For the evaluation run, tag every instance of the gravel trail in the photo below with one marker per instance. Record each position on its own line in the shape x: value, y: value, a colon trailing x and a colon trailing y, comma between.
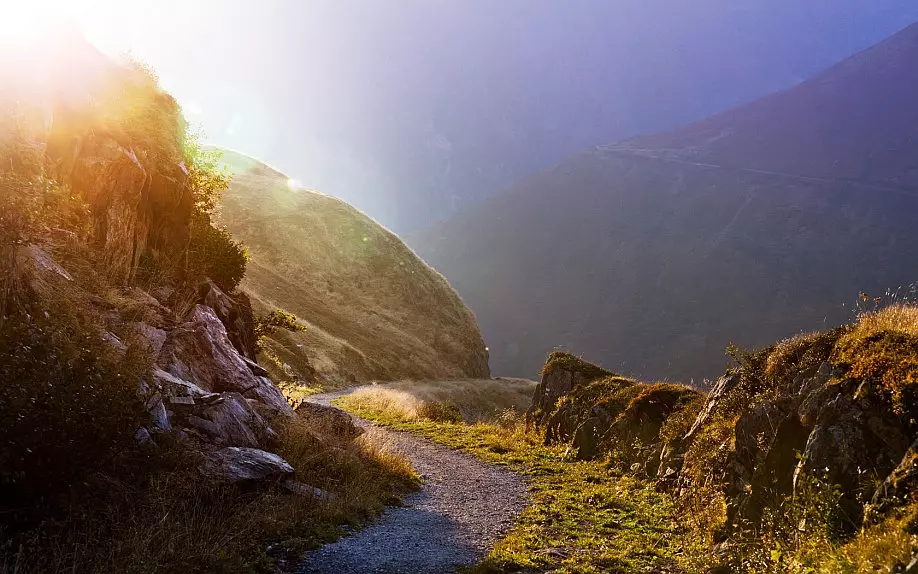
x: 461, y: 510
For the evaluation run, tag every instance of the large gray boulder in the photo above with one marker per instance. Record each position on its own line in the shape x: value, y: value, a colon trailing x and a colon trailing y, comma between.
x: 200, y: 351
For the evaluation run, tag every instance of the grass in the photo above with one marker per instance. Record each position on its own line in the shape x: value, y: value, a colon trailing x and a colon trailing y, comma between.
x: 472, y: 400
x: 375, y: 311
x: 883, y: 346
x: 584, y: 516
x: 174, y: 521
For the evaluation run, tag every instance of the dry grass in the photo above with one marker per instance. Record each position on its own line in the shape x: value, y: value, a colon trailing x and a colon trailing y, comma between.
x: 474, y: 400
x: 883, y: 346
x: 175, y: 522
x: 900, y: 318
x: 375, y: 311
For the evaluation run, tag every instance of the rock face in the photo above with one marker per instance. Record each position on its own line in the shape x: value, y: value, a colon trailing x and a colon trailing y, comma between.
x: 763, y: 434
x: 139, y: 197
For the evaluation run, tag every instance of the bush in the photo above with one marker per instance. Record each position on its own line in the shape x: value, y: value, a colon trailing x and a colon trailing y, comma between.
x: 213, y: 254
x: 68, y: 407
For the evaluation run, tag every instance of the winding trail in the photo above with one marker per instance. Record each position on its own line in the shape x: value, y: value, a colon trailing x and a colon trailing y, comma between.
x: 458, y: 514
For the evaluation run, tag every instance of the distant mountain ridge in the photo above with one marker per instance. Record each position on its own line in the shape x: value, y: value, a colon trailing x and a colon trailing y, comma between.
x: 651, y: 255
x: 863, y: 108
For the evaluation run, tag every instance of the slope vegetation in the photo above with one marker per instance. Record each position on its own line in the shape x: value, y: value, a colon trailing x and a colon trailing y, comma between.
x: 374, y: 309
x: 652, y: 255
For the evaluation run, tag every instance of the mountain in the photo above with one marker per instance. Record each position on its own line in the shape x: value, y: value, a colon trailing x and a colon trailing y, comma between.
x: 374, y: 310
x: 651, y: 255
x: 411, y: 122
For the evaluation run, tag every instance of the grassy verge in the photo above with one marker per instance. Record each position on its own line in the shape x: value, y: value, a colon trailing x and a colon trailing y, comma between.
x: 583, y: 516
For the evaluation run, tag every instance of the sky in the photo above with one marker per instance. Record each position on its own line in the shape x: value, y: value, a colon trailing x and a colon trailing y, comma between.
x: 414, y: 109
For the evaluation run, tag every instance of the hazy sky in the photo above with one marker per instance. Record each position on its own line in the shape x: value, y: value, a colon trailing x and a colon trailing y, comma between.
x: 409, y: 109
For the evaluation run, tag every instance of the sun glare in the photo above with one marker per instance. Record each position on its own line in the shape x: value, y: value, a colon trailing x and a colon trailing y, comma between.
x: 25, y: 23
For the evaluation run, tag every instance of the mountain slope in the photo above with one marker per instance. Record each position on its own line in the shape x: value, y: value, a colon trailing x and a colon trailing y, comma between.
x: 652, y: 255
x: 374, y: 309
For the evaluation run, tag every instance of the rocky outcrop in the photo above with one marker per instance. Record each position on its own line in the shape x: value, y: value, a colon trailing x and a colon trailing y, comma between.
x: 236, y: 315
x: 763, y: 434
x: 199, y: 350
x: 598, y: 412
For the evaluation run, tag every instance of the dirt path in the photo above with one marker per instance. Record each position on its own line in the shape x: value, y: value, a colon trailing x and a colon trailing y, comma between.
x: 459, y: 513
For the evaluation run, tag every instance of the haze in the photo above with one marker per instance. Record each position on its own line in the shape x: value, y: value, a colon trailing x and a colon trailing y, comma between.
x: 413, y: 110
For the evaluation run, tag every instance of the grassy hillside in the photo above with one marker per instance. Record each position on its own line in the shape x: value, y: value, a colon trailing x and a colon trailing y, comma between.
x: 651, y: 260
x: 374, y: 310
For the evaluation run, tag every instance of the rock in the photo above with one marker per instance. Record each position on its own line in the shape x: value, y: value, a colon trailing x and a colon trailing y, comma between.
x: 587, y: 438
x: 159, y: 417
x: 896, y: 490
x: 152, y: 337
x: 240, y: 465
x: 174, y: 386
x: 200, y: 351
x: 142, y: 436
x: 307, y: 490
x: 114, y: 184
x: 767, y: 441
x: 230, y: 422
x: 35, y: 258
x: 724, y: 385
x: 237, y: 317
x: 256, y: 369
x: 562, y: 374
x: 335, y: 420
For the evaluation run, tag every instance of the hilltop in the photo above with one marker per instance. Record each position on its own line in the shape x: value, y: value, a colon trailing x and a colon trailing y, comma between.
x: 653, y: 254
x: 374, y: 309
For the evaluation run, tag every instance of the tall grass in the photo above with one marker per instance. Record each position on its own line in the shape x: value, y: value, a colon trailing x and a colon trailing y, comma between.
x: 473, y: 400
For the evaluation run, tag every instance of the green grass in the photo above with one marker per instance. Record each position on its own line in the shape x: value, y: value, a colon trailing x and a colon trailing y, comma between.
x: 583, y: 516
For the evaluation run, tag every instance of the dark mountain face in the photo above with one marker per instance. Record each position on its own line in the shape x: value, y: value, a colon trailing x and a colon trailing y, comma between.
x: 652, y: 255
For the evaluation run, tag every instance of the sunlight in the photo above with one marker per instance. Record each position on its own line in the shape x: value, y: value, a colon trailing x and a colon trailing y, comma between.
x: 29, y: 23
x: 24, y: 24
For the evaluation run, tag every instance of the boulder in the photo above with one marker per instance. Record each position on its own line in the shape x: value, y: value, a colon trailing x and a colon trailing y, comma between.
x: 200, y: 351
x: 244, y: 465
x: 229, y: 420
x: 562, y: 374
x: 335, y: 420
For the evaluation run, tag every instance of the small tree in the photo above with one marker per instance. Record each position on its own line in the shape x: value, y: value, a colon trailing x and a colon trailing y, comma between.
x: 277, y: 319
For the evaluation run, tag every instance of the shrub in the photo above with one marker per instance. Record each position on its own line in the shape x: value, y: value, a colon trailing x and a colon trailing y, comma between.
x: 440, y: 412
x: 213, y: 254
x: 68, y: 405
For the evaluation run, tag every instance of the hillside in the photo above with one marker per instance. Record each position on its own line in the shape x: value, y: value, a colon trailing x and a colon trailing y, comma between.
x: 374, y: 309
x: 652, y: 255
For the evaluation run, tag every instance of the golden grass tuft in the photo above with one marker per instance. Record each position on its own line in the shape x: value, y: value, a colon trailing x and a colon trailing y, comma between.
x: 883, y: 346
x: 473, y: 400
x: 900, y: 318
